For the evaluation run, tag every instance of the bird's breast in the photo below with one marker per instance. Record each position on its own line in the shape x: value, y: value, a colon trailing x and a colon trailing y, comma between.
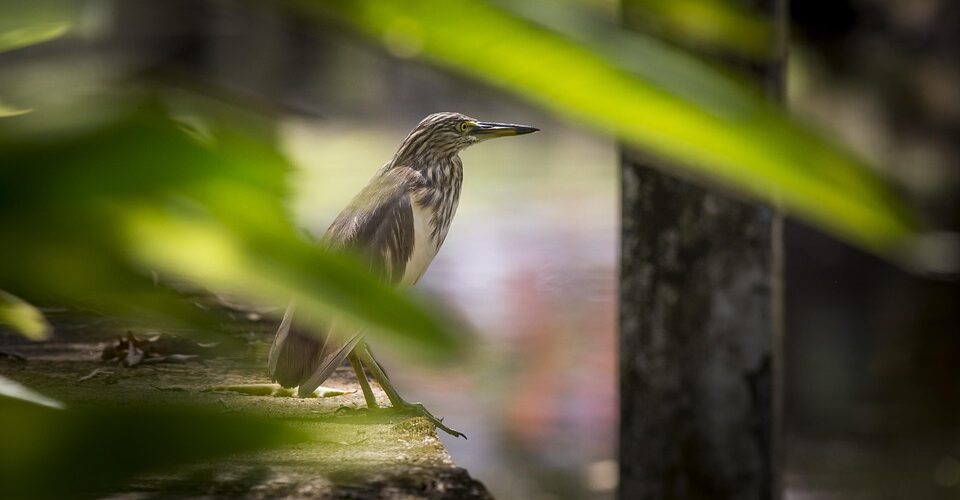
x: 426, y: 242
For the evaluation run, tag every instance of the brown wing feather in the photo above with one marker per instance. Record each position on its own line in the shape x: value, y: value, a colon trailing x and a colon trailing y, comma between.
x: 378, y: 223
x: 378, y: 226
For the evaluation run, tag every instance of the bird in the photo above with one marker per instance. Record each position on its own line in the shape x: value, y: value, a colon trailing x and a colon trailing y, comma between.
x: 395, y: 225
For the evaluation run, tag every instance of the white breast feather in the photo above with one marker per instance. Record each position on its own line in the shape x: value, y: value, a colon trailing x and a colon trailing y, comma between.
x: 424, y: 249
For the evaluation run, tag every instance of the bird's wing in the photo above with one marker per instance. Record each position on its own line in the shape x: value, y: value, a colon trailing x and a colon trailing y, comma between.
x: 378, y: 223
x: 378, y: 226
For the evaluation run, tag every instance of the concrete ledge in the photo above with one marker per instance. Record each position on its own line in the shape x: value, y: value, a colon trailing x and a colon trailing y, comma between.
x: 355, y: 454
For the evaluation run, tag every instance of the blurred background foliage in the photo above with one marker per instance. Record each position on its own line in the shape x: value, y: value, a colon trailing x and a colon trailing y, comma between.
x: 143, y: 147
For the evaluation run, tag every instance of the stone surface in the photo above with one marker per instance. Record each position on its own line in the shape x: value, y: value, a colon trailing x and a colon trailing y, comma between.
x: 354, y: 455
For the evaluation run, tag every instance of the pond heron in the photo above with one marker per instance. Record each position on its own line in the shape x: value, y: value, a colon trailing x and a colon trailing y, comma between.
x: 397, y: 224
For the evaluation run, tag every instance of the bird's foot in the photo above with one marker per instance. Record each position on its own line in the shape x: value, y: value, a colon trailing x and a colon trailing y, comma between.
x: 412, y: 409
x: 417, y: 409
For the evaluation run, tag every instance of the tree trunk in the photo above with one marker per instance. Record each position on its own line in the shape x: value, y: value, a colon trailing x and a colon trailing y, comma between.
x: 699, y: 333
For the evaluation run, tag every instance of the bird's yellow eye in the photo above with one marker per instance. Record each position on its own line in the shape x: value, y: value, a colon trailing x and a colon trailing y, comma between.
x: 465, y: 126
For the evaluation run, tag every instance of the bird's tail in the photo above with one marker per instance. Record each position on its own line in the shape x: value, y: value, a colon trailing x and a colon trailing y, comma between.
x: 306, y: 359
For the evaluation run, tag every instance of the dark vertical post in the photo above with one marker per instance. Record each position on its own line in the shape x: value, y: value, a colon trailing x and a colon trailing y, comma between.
x: 700, y: 331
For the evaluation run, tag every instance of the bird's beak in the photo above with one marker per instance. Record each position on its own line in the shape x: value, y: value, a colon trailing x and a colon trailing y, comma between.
x: 485, y: 130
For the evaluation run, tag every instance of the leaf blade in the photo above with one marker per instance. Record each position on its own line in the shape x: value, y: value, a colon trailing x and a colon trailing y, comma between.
x: 745, y: 143
x: 15, y: 390
x: 26, y: 319
x: 25, y: 36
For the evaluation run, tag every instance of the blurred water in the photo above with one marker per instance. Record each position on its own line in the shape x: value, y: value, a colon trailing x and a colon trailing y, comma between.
x: 530, y: 264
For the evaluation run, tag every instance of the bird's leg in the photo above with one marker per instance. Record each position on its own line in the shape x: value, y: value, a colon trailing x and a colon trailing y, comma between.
x: 363, y: 352
x: 362, y: 379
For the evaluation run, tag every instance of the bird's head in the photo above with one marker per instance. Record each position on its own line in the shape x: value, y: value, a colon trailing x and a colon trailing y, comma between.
x: 447, y: 133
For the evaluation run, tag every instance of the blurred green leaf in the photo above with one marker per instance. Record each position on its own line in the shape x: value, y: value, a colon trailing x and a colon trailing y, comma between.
x: 94, y: 212
x: 16, y: 38
x: 87, y: 452
x: 721, y: 24
x: 23, y: 317
x: 326, y: 284
x: 8, y: 111
x: 25, y: 25
x: 16, y: 390
x: 723, y: 131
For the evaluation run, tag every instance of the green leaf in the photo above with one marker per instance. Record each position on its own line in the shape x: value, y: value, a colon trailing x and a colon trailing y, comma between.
x: 720, y: 24
x: 23, y: 317
x: 10, y: 111
x: 24, y: 36
x: 700, y: 119
x: 88, y: 452
x: 326, y: 285
x: 15, y: 390
x: 95, y: 212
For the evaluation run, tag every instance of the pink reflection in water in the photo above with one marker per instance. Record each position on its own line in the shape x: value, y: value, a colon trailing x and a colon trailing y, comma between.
x: 540, y: 401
